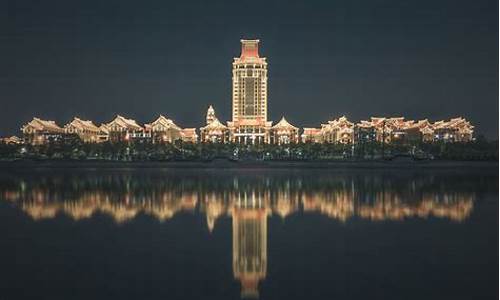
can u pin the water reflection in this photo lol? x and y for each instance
(248, 199)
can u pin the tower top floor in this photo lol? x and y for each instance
(249, 53)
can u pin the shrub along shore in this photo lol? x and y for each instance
(478, 150)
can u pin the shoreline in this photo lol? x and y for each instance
(223, 164)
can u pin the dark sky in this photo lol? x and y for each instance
(420, 59)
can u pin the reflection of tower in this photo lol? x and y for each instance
(249, 243)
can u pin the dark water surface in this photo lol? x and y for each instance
(226, 234)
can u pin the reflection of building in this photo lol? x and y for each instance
(249, 243)
(249, 124)
(38, 132)
(339, 203)
(214, 207)
(249, 203)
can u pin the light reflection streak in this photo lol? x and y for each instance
(248, 202)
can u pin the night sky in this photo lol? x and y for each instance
(93, 59)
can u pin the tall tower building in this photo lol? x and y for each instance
(249, 124)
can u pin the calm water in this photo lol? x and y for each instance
(226, 234)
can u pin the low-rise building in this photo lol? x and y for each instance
(426, 130)
(335, 131)
(103, 133)
(121, 129)
(214, 131)
(163, 130)
(39, 132)
(338, 131)
(388, 130)
(454, 130)
(84, 129)
(189, 135)
(399, 130)
(311, 135)
(284, 133)
(11, 140)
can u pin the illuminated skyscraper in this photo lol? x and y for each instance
(249, 124)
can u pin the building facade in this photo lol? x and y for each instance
(454, 130)
(11, 140)
(189, 135)
(214, 131)
(163, 130)
(85, 130)
(249, 123)
(121, 129)
(39, 132)
(284, 133)
(335, 131)
(390, 130)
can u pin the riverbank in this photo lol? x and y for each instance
(226, 164)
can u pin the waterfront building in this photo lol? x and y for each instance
(284, 133)
(426, 130)
(125, 130)
(364, 132)
(390, 130)
(398, 130)
(249, 124)
(454, 130)
(163, 130)
(387, 129)
(335, 131)
(249, 96)
(103, 133)
(311, 135)
(214, 131)
(84, 130)
(39, 132)
(11, 140)
(189, 135)
(338, 131)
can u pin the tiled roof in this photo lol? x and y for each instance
(43, 125)
(124, 122)
(283, 123)
(215, 124)
(82, 124)
(162, 120)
